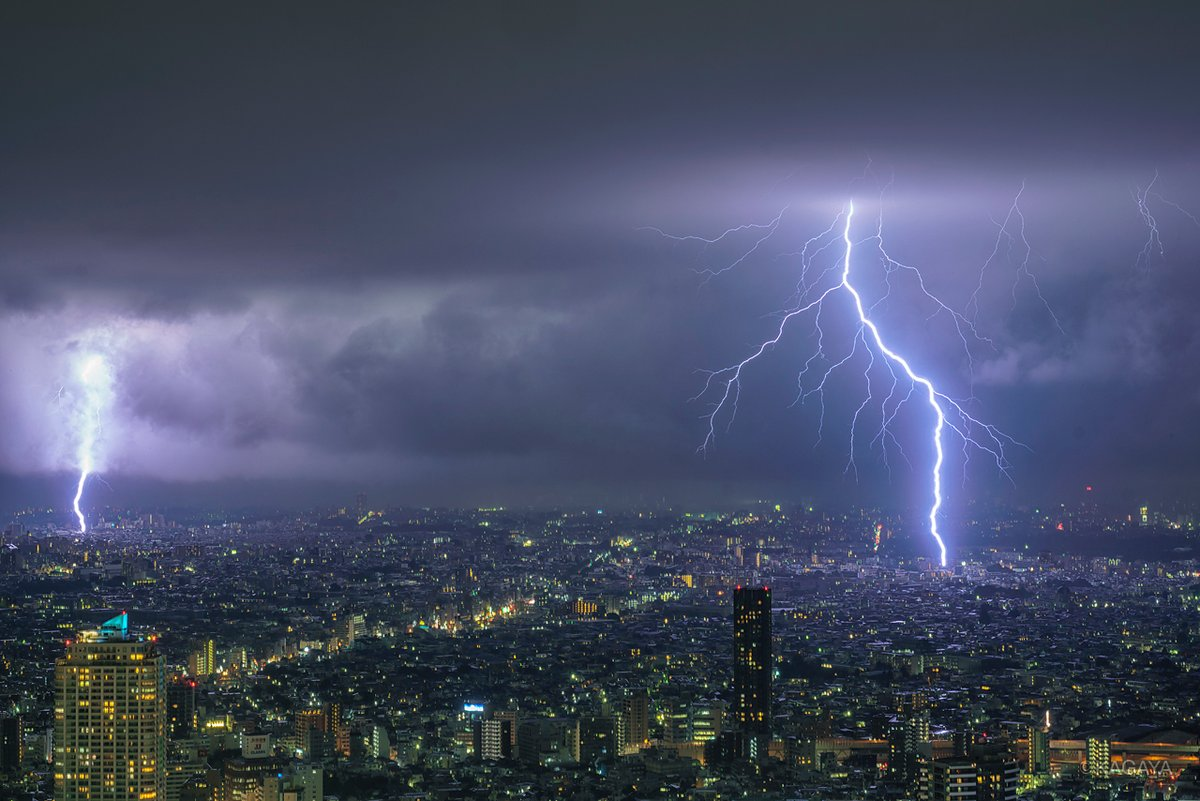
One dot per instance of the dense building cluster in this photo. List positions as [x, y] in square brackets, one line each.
[487, 654]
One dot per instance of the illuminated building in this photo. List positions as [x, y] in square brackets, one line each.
[339, 732]
[494, 738]
[908, 738]
[203, 661]
[996, 778]
[802, 754]
[633, 723]
[243, 777]
[512, 716]
[1038, 753]
[312, 732]
[1099, 759]
[380, 745]
[752, 665]
[984, 778]
[110, 717]
[674, 718]
[704, 723]
[349, 627]
[951, 780]
[585, 608]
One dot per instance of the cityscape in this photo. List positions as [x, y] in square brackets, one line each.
[622, 401]
[772, 652]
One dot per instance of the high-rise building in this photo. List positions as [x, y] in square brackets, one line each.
[986, 772]
[752, 666]
[312, 733]
[996, 775]
[242, 777]
[1099, 759]
[203, 661]
[801, 753]
[513, 717]
[981, 777]
[181, 708]
[494, 738]
[674, 714]
[110, 717]
[597, 738]
[634, 720]
[705, 721]
[962, 740]
[12, 744]
[339, 732]
[984, 777]
[184, 770]
[951, 780]
[1038, 751]
[909, 743]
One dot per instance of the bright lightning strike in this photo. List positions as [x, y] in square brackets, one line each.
[946, 413]
[932, 394]
[94, 384]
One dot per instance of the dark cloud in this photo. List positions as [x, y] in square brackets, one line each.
[402, 245]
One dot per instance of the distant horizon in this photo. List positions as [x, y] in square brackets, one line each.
[303, 498]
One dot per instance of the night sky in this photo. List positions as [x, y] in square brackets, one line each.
[402, 246]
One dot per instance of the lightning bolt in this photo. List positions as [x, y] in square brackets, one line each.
[1154, 243]
[945, 412]
[767, 229]
[94, 382]
[1014, 219]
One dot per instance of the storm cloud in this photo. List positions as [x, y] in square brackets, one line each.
[405, 247]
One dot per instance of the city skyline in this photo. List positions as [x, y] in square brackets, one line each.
[445, 653]
[599, 401]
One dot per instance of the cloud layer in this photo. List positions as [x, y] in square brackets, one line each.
[394, 249]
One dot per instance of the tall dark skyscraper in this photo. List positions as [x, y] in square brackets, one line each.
[752, 664]
[181, 708]
[12, 744]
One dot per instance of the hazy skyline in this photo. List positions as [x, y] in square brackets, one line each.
[402, 247]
